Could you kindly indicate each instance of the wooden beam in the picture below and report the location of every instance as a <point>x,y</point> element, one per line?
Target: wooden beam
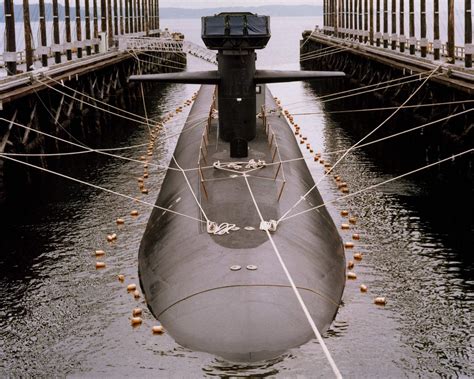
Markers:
<point>96,27</point>
<point>371,22</point>
<point>394,24</point>
<point>402,37</point>
<point>88,27</point>
<point>116,23</point>
<point>423,40</point>
<point>451,38</point>
<point>366,21</point>
<point>28,35</point>
<point>385,23</point>
<point>378,23</point>
<point>436,40</point>
<point>78,29</point>
<point>44,42</point>
<point>122,30</point>
<point>9,57</point>
<point>468,34</point>
<point>67,19</point>
<point>412,40</point>
<point>361,26</point>
<point>110,29</point>
<point>127,19</point>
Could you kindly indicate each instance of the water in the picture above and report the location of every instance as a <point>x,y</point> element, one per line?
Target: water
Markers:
<point>59,316</point>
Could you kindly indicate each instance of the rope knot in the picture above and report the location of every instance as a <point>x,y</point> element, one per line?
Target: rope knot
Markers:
<point>271,225</point>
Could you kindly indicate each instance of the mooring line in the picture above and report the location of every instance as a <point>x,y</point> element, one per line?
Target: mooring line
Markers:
<point>379,184</point>
<point>302,198</point>
<point>316,332</point>
<point>99,187</point>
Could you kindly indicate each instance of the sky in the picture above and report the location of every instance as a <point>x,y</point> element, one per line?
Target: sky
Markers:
<point>227,3</point>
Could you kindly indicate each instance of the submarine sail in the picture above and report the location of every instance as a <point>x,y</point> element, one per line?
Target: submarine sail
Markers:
<point>213,279</point>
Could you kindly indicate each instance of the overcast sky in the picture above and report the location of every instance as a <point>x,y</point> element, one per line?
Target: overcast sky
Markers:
<point>229,3</point>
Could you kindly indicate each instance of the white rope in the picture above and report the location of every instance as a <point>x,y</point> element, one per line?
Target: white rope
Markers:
<point>316,332</point>
<point>98,187</point>
<point>356,144</point>
<point>379,184</point>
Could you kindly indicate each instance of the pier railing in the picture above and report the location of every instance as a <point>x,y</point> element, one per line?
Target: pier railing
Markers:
<point>375,22</point>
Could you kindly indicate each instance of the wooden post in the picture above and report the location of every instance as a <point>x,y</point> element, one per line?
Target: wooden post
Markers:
<point>67,19</point>
<point>351,18</point>
<point>96,27</point>
<point>135,16</point>
<point>423,40</point>
<point>9,56</point>
<point>325,12</point>
<point>88,27</point>
<point>116,24</point>
<point>468,47</point>
<point>341,19</point>
<point>356,30</point>
<point>385,23</point>
<point>402,26</point>
<point>78,29</point>
<point>371,23</point>
<point>436,40</point>
<point>361,26</point>
<point>103,16</point>
<point>56,47</point>
<point>157,13</point>
<point>145,14</point>
<point>394,24</point>
<point>110,27</point>
<point>378,24</point>
<point>412,40</point>
<point>451,38</point>
<point>127,20</point>
<point>27,29</point>
<point>44,42</point>
<point>366,21</point>
<point>346,23</point>
<point>122,30</point>
<point>139,16</point>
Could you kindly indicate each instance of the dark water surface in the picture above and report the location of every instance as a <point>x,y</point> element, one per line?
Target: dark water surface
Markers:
<point>59,316</point>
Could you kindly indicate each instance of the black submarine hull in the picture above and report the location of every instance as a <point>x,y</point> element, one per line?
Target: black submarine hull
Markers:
<point>227,294</point>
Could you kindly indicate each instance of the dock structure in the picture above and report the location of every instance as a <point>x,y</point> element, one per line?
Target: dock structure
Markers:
<point>354,20</point>
<point>74,28</point>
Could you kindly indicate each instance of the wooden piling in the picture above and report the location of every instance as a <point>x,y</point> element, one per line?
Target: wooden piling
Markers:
<point>28,35</point>
<point>378,23</point>
<point>157,13</point>
<point>96,27</point>
<point>341,19</point>
<point>103,16</point>
<point>116,23</point>
<point>366,21</point>
<point>402,37</point>
<point>371,22</point>
<point>110,28</point>
<point>127,18</point>
<point>468,34</point>
<point>346,22</point>
<point>9,56</point>
<point>44,42</point>
<point>385,23</point>
<point>436,40</point>
<point>423,40</point>
<point>67,20</point>
<point>394,24</point>
<point>78,29</point>
<point>356,29</point>
<point>139,16</point>
<point>122,30</point>
<point>412,40</point>
<point>87,16</point>
<point>135,16</point>
<point>145,13</point>
<point>56,47</point>
<point>451,38</point>
<point>351,18</point>
<point>361,27</point>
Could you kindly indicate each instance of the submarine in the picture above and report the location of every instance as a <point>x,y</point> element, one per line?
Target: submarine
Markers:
<point>213,278</point>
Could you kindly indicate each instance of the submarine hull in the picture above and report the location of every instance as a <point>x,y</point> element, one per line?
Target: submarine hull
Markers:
<point>228,294</point>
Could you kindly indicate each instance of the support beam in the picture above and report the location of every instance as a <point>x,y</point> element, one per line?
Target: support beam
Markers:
<point>451,38</point>
<point>127,18</point>
<point>366,21</point>
<point>122,30</point>
<point>346,22</point>
<point>423,40</point>
<point>96,27</point>
<point>468,34</point>
<point>116,23</point>
<point>436,40</point>
<point>385,24</point>
<point>351,18</point>
<point>88,27</point>
<point>67,19</point>
<point>78,29</point>
<point>394,24</point>
<point>56,41</point>
<point>377,37</point>
<point>361,26</point>
<point>412,40</point>
<point>28,35</point>
<point>9,56</point>
<point>371,22</point>
<point>103,16</point>
<point>110,28</point>
<point>44,42</point>
<point>402,37</point>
